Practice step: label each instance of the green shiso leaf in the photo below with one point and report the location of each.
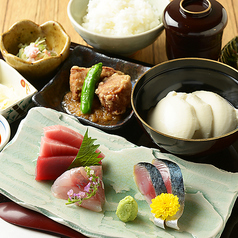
(87, 155)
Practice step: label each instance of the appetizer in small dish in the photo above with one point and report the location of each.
(26, 34)
(35, 50)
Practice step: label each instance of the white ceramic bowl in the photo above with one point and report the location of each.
(22, 92)
(122, 45)
(5, 132)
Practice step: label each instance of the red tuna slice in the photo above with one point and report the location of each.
(66, 136)
(164, 171)
(51, 147)
(148, 180)
(50, 168)
(76, 179)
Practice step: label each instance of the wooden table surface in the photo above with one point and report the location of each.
(41, 11)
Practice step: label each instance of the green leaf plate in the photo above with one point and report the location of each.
(210, 192)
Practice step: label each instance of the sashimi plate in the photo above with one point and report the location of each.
(210, 192)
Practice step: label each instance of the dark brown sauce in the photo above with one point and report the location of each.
(98, 113)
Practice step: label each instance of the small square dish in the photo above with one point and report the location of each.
(15, 93)
(51, 96)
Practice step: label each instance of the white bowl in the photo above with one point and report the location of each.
(122, 45)
(22, 89)
(5, 132)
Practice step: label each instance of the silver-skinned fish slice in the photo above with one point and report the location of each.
(172, 176)
(148, 180)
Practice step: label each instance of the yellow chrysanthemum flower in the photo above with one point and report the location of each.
(165, 205)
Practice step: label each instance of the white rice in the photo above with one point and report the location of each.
(120, 17)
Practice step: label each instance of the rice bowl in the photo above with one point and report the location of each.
(120, 18)
(120, 45)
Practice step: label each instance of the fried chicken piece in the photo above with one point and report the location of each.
(114, 93)
(78, 74)
(76, 79)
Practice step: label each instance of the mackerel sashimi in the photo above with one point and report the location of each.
(175, 176)
(148, 180)
(171, 169)
(165, 173)
(76, 179)
(158, 178)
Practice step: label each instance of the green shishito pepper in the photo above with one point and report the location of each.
(88, 89)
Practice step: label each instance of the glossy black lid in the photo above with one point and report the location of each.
(195, 16)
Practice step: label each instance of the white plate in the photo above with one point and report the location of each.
(210, 192)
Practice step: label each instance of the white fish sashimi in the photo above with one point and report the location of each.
(76, 179)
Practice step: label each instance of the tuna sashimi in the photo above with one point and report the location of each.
(76, 179)
(50, 168)
(148, 180)
(50, 147)
(66, 136)
(59, 147)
